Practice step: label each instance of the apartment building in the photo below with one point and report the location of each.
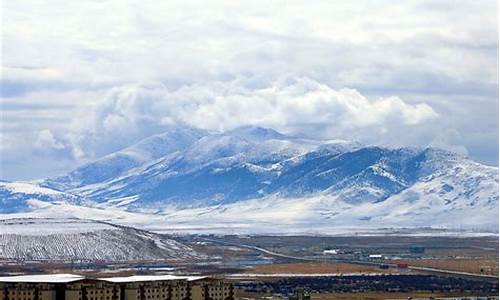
(153, 287)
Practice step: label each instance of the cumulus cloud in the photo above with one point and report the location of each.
(35, 155)
(47, 141)
(381, 72)
(294, 105)
(49, 146)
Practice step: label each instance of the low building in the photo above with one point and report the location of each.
(36, 287)
(74, 287)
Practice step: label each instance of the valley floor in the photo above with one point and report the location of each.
(262, 265)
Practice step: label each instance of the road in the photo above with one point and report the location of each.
(359, 262)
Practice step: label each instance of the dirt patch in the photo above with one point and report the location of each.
(478, 266)
(317, 268)
(382, 295)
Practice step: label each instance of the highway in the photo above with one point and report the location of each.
(359, 262)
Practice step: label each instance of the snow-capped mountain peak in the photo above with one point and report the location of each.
(117, 163)
(257, 133)
(188, 170)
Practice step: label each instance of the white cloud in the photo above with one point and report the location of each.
(366, 44)
(297, 106)
(47, 142)
(217, 61)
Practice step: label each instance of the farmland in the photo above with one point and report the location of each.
(317, 268)
(477, 266)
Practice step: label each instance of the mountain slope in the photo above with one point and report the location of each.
(72, 239)
(117, 163)
(216, 168)
(259, 173)
(228, 169)
(16, 196)
(462, 198)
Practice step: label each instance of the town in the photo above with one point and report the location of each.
(273, 267)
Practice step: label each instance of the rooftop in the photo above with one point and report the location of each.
(67, 278)
(45, 278)
(138, 278)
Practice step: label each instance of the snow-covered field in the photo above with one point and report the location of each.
(46, 226)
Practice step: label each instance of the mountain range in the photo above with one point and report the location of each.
(254, 176)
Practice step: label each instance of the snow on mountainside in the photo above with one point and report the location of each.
(464, 197)
(216, 168)
(254, 133)
(72, 239)
(17, 196)
(250, 175)
(117, 163)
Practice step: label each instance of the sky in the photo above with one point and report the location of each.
(82, 79)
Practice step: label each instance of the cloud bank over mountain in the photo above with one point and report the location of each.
(296, 106)
(79, 82)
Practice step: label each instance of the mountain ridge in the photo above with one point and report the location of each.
(190, 169)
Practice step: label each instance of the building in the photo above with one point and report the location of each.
(36, 287)
(153, 287)
(331, 251)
